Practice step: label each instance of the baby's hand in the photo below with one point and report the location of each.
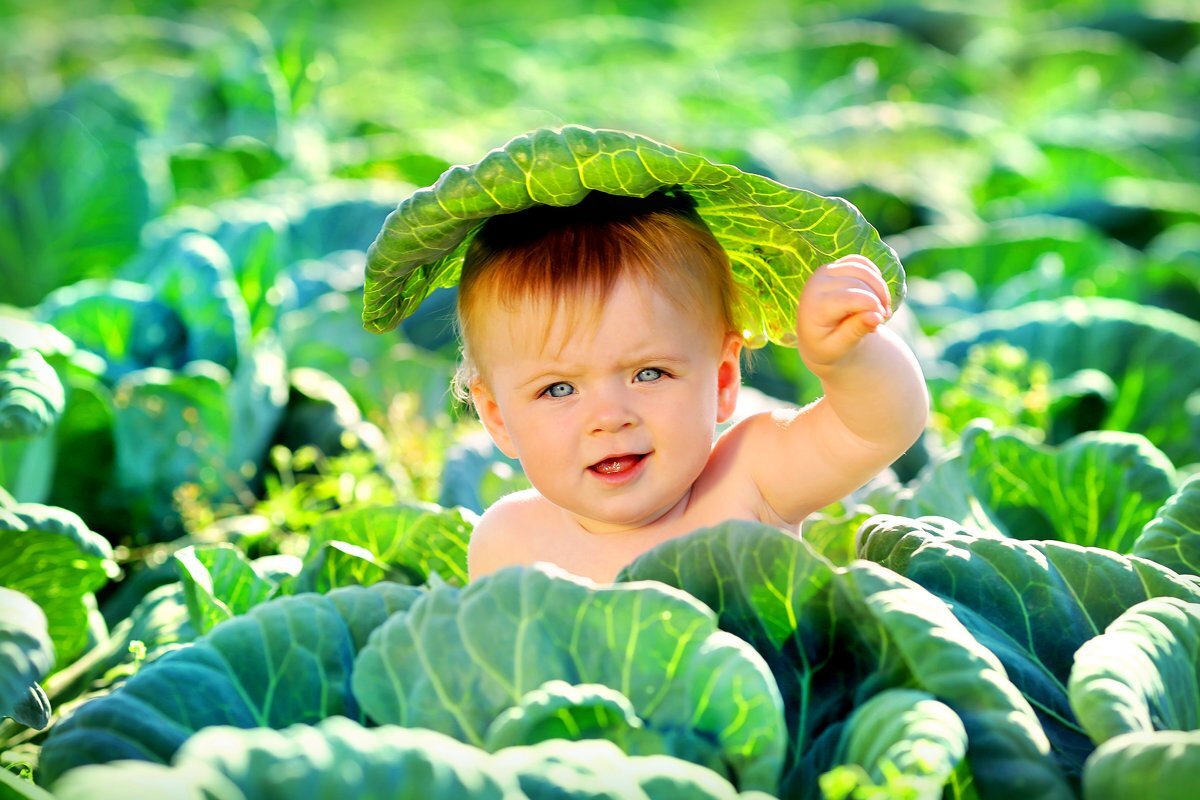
(841, 303)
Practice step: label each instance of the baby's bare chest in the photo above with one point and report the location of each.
(601, 556)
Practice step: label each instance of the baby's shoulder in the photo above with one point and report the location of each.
(497, 539)
(515, 507)
(742, 442)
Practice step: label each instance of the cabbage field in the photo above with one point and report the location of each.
(234, 521)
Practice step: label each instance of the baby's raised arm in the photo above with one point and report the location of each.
(875, 402)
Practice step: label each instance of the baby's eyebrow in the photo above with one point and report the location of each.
(542, 377)
(570, 371)
(652, 358)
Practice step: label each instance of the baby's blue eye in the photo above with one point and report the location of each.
(648, 374)
(559, 390)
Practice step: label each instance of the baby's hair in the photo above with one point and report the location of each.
(575, 253)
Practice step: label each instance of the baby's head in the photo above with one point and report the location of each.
(570, 258)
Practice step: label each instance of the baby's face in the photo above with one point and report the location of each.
(612, 419)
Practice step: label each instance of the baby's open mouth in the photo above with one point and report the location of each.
(614, 465)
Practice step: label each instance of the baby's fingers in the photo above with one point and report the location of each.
(848, 333)
(862, 269)
(846, 302)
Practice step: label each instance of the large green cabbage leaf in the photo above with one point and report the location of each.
(901, 739)
(776, 236)
(200, 424)
(1136, 690)
(1172, 538)
(1150, 354)
(1098, 489)
(1142, 674)
(26, 655)
(706, 694)
(995, 253)
(284, 662)
(1033, 604)
(31, 394)
(51, 555)
(32, 401)
(1167, 762)
(76, 194)
(195, 278)
(339, 758)
(836, 637)
(120, 321)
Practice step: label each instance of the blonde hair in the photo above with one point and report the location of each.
(573, 254)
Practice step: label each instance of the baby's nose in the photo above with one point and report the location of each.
(612, 413)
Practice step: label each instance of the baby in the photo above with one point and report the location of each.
(600, 351)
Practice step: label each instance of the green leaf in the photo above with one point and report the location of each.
(26, 655)
(283, 662)
(364, 609)
(171, 428)
(31, 394)
(1142, 674)
(328, 335)
(1007, 748)
(335, 215)
(194, 277)
(1097, 490)
(76, 195)
(27, 467)
(1033, 604)
(1148, 352)
(559, 710)
(120, 321)
(52, 556)
(994, 253)
(582, 770)
(1172, 538)
(833, 638)
(831, 533)
(254, 235)
(199, 425)
(132, 778)
(219, 582)
(321, 413)
(334, 564)
(1164, 765)
(907, 733)
(392, 762)
(419, 539)
(512, 632)
(776, 236)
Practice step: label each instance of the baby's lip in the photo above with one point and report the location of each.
(617, 462)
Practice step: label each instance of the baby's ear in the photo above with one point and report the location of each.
(729, 375)
(489, 415)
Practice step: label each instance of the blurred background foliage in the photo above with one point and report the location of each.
(189, 405)
(1011, 152)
